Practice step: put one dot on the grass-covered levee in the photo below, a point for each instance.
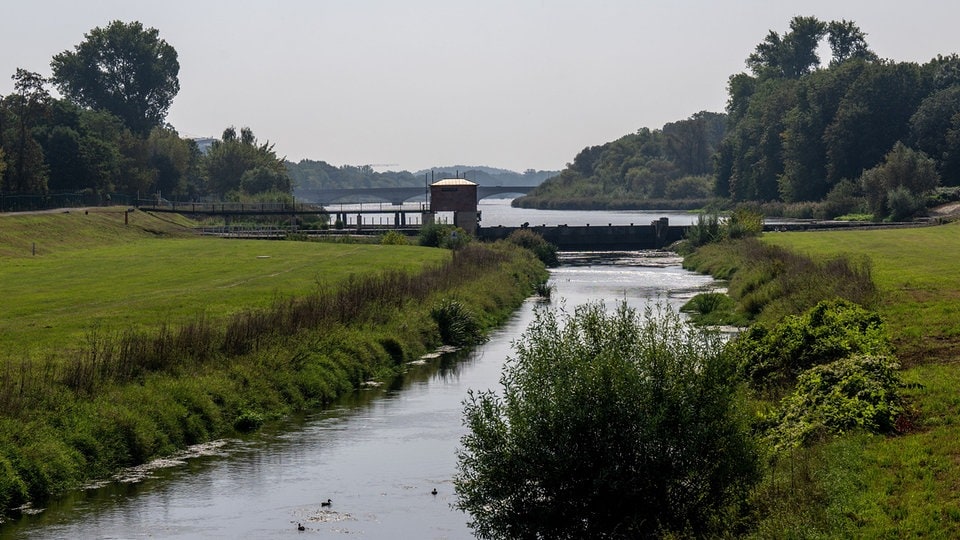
(125, 337)
(852, 361)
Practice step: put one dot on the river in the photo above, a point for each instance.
(377, 455)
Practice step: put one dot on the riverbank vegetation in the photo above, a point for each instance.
(146, 340)
(609, 425)
(863, 446)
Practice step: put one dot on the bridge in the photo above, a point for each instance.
(394, 195)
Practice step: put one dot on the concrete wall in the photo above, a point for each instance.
(657, 235)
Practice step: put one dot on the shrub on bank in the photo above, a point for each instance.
(856, 392)
(609, 425)
(545, 251)
(774, 356)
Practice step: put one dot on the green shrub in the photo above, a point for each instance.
(248, 420)
(393, 238)
(545, 251)
(771, 357)
(443, 235)
(458, 326)
(857, 392)
(713, 309)
(609, 425)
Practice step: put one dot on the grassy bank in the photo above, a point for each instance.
(193, 339)
(862, 485)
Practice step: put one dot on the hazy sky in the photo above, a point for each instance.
(516, 84)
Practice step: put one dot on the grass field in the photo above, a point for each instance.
(905, 486)
(916, 272)
(92, 272)
(125, 337)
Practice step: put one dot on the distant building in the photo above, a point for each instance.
(459, 196)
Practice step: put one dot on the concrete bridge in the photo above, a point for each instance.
(394, 195)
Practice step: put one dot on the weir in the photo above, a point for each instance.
(656, 235)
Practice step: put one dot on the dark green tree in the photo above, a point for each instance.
(27, 172)
(904, 172)
(240, 164)
(848, 42)
(610, 425)
(934, 130)
(792, 55)
(124, 69)
(873, 115)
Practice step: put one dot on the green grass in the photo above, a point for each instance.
(228, 334)
(905, 486)
(109, 281)
(916, 272)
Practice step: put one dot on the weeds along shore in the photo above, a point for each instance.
(125, 396)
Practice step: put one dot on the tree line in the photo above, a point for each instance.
(859, 134)
(107, 133)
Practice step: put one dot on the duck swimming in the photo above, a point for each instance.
(328, 503)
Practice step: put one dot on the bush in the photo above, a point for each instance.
(857, 392)
(545, 251)
(713, 309)
(443, 236)
(457, 325)
(610, 425)
(393, 238)
(830, 331)
(902, 204)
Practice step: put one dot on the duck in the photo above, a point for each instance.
(300, 527)
(328, 503)
(434, 492)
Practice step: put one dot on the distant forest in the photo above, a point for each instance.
(309, 175)
(861, 135)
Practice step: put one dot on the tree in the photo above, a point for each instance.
(905, 174)
(124, 69)
(241, 164)
(30, 103)
(611, 425)
(934, 128)
(847, 42)
(792, 55)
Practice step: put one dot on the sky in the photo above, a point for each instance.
(413, 84)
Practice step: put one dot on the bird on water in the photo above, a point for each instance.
(328, 503)
(300, 527)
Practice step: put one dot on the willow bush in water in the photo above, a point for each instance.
(609, 425)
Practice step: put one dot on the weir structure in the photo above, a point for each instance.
(657, 235)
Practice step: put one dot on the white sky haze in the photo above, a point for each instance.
(418, 83)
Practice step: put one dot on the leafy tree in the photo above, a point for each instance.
(903, 168)
(874, 114)
(174, 159)
(30, 103)
(848, 42)
(792, 55)
(934, 129)
(241, 164)
(818, 98)
(124, 69)
(610, 425)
